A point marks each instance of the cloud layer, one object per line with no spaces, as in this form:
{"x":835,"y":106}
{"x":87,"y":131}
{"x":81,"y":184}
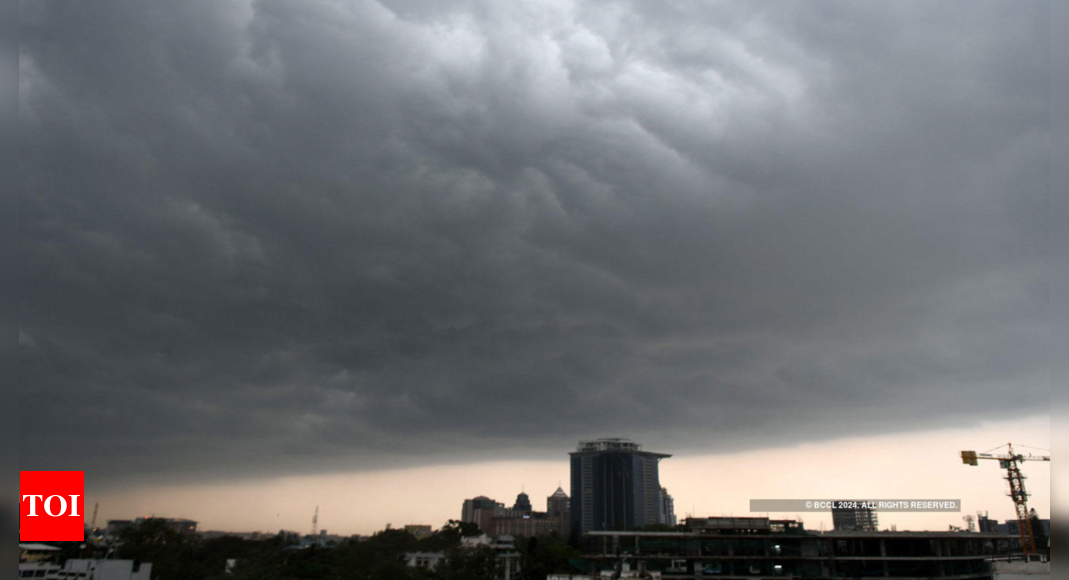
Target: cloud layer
{"x":343,"y":234}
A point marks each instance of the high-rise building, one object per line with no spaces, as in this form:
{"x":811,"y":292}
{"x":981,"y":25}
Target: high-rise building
{"x":523,"y":503}
{"x":668,"y":509}
{"x":557,"y":505}
{"x":481,"y":510}
{"x":615,"y":486}
{"x":850,"y":519}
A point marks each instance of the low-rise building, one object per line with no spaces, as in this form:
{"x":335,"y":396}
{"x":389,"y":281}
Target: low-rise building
{"x":1020,"y":570}
{"x":106,"y":570}
{"x":45,"y":570}
{"x":37,"y":552}
{"x":763,"y":548}
{"x":78,"y":569}
{"x":425,"y":560}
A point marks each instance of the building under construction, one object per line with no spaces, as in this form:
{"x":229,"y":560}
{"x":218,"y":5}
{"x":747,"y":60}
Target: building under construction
{"x":854,"y":519}
{"x":738,"y":548}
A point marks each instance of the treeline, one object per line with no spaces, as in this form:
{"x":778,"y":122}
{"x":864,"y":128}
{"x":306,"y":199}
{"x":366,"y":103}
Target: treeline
{"x":176,"y":556}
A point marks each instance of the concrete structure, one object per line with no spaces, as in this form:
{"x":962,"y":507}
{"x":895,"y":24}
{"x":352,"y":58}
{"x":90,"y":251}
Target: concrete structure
{"x":1020,"y":570}
{"x":534,"y":524}
{"x":1011,"y":527}
{"x":38,"y":570}
{"x":668,"y":509}
{"x":615,"y":485}
{"x":425,"y":560}
{"x":855,"y":519}
{"x":106,"y":570}
{"x":624,"y":572}
{"x":762,"y":548}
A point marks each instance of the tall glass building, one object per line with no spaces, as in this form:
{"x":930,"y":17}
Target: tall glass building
{"x":615,"y":486}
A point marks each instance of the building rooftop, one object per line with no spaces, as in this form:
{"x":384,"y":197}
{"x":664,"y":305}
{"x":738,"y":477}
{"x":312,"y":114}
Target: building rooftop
{"x":609,"y":444}
{"x":38,"y":548}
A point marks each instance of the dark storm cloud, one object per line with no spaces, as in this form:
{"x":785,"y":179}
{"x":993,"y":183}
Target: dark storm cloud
{"x":344,"y":234}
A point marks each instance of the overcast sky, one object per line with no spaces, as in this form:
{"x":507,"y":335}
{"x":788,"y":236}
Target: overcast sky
{"x":273,"y":237}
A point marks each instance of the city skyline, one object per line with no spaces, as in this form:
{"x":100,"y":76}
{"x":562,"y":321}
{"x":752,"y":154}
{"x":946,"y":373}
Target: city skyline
{"x":353,"y":504}
{"x":381,"y":256}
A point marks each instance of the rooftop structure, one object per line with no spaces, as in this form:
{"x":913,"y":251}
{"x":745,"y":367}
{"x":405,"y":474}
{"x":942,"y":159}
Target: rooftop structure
{"x":608,"y":444}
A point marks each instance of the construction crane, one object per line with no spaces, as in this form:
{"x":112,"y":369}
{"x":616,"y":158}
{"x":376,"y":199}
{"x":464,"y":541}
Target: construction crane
{"x":1011,"y":461}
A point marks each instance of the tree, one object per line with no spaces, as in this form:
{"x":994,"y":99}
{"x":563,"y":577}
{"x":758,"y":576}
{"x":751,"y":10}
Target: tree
{"x":541,"y":556}
{"x":469,"y":564}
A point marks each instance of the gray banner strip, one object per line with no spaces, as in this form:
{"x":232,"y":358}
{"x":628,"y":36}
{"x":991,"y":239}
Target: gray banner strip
{"x":879,"y":505}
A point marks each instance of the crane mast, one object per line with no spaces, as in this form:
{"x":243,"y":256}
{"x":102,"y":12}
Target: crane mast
{"x":1011,"y":462}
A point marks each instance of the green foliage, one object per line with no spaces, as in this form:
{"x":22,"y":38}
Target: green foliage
{"x":545,"y":555}
{"x":176,"y":556}
{"x":474,"y":564}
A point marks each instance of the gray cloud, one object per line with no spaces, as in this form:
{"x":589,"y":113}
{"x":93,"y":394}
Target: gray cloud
{"x":273,"y":236}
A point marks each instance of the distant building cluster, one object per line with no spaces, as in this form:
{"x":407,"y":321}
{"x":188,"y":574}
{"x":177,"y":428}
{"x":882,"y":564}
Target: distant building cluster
{"x":178,"y":525}
{"x":495,"y":519}
{"x":1011,"y":527}
{"x":615,"y":485}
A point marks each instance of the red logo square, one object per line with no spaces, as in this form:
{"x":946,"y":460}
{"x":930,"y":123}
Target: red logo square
{"x":52,"y":506}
